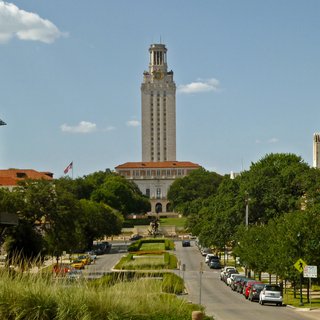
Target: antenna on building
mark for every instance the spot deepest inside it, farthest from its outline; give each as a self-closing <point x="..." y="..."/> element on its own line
<point x="160" y="40"/>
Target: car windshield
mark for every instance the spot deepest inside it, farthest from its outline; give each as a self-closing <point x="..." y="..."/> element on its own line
<point x="258" y="286"/>
<point x="272" y="288"/>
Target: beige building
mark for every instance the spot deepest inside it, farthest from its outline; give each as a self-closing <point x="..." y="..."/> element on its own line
<point x="316" y="150"/>
<point x="159" y="167"/>
<point x="155" y="178"/>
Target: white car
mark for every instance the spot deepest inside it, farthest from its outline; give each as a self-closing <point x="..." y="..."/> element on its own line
<point x="271" y="293"/>
<point x="225" y="270"/>
<point x="208" y="257"/>
<point x="231" y="278"/>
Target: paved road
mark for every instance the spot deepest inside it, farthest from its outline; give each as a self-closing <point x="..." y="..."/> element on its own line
<point x="220" y="301"/>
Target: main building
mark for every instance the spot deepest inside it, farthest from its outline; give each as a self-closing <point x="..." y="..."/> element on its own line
<point x="159" y="167"/>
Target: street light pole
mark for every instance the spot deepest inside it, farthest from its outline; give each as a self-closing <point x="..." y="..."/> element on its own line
<point x="247" y="209"/>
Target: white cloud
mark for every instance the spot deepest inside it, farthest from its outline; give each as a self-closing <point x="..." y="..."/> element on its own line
<point x="133" y="123"/>
<point x="273" y="140"/>
<point x="109" y="128"/>
<point x="82" y="127"/>
<point x="200" y="86"/>
<point x="24" y="25"/>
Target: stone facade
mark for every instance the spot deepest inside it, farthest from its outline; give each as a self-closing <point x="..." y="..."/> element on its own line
<point x="155" y="178"/>
<point x="159" y="168"/>
<point x="158" y="108"/>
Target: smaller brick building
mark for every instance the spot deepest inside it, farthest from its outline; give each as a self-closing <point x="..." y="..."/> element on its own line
<point x="9" y="178"/>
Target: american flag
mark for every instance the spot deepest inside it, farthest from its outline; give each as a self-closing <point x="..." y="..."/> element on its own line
<point x="69" y="167"/>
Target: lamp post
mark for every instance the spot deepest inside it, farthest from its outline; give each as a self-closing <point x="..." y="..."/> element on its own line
<point x="247" y="199"/>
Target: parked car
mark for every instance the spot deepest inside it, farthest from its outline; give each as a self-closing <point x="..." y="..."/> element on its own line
<point x="248" y="286"/>
<point x="224" y="270"/>
<point x="101" y="248"/>
<point x="74" y="274"/>
<point x="85" y="259"/>
<point x="271" y="293"/>
<point x="205" y="251"/>
<point x="211" y="256"/>
<point x="228" y="275"/>
<point x="254" y="292"/>
<point x="241" y="284"/>
<point x="230" y="280"/>
<point x="77" y="264"/>
<point x="135" y="237"/>
<point x="215" y="264"/>
<point x="186" y="243"/>
<point x="92" y="256"/>
<point x="61" y="269"/>
<point x="235" y="280"/>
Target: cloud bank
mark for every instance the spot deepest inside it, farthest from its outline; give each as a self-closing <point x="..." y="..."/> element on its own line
<point x="82" y="127"/>
<point x="270" y="141"/>
<point x="24" y="25"/>
<point x="200" y="86"/>
<point x="133" y="123"/>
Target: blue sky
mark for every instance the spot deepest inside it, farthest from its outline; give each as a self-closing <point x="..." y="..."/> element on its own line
<point x="247" y="75"/>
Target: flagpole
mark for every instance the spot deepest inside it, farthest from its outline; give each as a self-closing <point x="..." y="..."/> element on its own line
<point x="72" y="170"/>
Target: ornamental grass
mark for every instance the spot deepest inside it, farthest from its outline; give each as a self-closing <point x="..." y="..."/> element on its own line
<point x="27" y="296"/>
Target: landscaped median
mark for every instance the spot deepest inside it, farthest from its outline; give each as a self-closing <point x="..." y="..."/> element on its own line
<point x="149" y="254"/>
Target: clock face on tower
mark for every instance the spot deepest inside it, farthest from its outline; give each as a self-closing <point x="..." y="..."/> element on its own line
<point x="158" y="74"/>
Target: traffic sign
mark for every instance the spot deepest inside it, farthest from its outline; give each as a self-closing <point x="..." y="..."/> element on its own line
<point x="310" y="271"/>
<point x="299" y="265"/>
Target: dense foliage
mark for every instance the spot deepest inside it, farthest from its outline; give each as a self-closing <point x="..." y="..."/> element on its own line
<point x="67" y="215"/>
<point x="282" y="196"/>
<point x="186" y="193"/>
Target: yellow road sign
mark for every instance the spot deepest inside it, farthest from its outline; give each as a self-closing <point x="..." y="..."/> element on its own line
<point x="299" y="265"/>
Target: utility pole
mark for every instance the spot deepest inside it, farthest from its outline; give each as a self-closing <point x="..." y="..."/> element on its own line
<point x="247" y="199"/>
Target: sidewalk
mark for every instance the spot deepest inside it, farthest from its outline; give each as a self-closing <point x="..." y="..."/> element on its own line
<point x="311" y="313"/>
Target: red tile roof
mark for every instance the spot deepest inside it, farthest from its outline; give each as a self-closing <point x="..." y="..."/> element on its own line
<point x="163" y="164"/>
<point x="11" y="177"/>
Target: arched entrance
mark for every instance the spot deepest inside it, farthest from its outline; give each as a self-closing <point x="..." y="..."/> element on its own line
<point x="158" y="207"/>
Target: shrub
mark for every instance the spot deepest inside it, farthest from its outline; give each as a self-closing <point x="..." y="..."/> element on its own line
<point x="135" y="246"/>
<point x="172" y="283"/>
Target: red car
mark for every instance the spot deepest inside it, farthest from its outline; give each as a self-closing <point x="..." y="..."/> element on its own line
<point x="246" y="289"/>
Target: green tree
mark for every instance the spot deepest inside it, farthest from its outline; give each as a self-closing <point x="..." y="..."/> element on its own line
<point x="275" y="185"/>
<point x="121" y="194"/>
<point x="199" y="184"/>
<point x="96" y="220"/>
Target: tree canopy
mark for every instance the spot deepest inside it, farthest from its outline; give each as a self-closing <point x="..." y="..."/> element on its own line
<point x="199" y="184"/>
<point x="67" y="215"/>
<point x="283" y="197"/>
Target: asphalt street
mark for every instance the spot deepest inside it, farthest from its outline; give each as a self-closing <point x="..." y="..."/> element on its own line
<point x="219" y="300"/>
<point x="207" y="289"/>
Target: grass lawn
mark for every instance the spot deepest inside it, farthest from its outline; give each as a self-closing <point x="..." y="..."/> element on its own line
<point x="289" y="299"/>
<point x="152" y="246"/>
<point x="179" y="222"/>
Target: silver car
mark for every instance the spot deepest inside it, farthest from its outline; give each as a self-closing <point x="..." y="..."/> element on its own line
<point x="271" y="293"/>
